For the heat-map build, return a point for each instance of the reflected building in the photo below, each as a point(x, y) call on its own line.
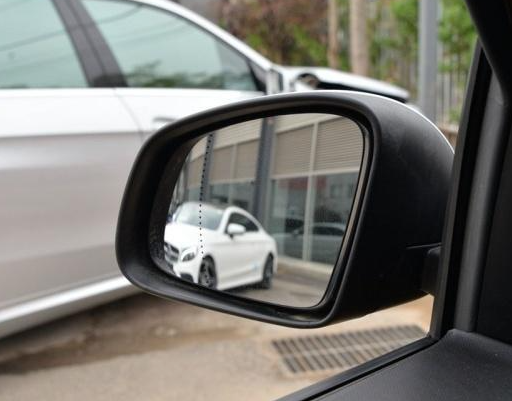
point(296, 174)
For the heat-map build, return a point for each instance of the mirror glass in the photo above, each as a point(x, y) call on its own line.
point(261, 207)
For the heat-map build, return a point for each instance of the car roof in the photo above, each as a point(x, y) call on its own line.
point(232, 208)
point(221, 207)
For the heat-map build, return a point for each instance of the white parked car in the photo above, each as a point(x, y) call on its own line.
point(219, 247)
point(83, 83)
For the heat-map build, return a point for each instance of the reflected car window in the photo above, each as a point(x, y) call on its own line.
point(196, 214)
point(243, 221)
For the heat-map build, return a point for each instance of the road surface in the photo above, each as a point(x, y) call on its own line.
point(146, 348)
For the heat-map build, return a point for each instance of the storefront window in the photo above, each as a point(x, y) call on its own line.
point(332, 200)
point(287, 214)
point(192, 194)
point(242, 195)
point(219, 194)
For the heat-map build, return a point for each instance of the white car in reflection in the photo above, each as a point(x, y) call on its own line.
point(219, 247)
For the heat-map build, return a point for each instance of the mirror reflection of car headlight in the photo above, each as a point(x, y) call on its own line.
point(188, 254)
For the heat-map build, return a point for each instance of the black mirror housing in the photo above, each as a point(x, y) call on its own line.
point(397, 214)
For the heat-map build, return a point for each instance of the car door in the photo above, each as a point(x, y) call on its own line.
point(237, 257)
point(65, 153)
point(257, 243)
point(172, 66)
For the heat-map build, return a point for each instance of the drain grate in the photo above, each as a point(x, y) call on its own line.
point(341, 351)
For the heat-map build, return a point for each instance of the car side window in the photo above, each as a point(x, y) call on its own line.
point(238, 218)
point(156, 48)
point(35, 50)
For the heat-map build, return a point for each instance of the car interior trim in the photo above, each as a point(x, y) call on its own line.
point(443, 315)
point(460, 366)
point(337, 381)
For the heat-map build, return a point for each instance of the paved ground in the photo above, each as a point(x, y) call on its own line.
point(294, 287)
point(144, 348)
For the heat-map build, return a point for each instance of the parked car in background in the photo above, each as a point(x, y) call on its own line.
point(83, 83)
point(326, 239)
point(219, 247)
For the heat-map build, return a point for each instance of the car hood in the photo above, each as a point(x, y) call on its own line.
point(184, 236)
point(329, 78)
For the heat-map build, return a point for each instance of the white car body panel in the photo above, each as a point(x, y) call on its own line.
point(63, 170)
point(154, 108)
point(60, 303)
point(349, 80)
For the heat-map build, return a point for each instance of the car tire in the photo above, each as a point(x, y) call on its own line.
point(268, 273)
point(207, 274)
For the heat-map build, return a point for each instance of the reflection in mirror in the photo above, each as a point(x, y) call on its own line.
point(261, 207)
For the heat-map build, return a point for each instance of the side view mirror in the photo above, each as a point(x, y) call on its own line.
point(329, 159)
point(234, 229)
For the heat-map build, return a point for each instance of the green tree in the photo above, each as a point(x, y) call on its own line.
point(286, 31)
point(393, 30)
point(458, 36)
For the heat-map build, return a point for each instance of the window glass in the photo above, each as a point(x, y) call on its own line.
point(333, 195)
point(155, 48)
point(35, 50)
point(193, 194)
point(239, 194)
point(242, 195)
point(237, 218)
point(219, 194)
point(196, 214)
point(287, 213)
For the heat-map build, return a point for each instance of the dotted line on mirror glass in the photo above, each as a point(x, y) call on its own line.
point(202, 192)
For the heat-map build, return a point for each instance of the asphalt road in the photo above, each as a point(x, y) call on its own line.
point(145, 348)
point(294, 287)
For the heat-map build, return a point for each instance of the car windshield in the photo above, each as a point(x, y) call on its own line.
point(196, 214)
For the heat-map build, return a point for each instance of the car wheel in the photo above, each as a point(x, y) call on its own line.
point(207, 275)
point(268, 273)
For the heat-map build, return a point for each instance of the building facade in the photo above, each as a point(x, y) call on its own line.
point(296, 174)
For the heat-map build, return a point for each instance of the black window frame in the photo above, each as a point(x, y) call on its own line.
point(100, 72)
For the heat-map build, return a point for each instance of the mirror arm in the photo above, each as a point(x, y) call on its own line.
point(274, 82)
point(431, 270)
